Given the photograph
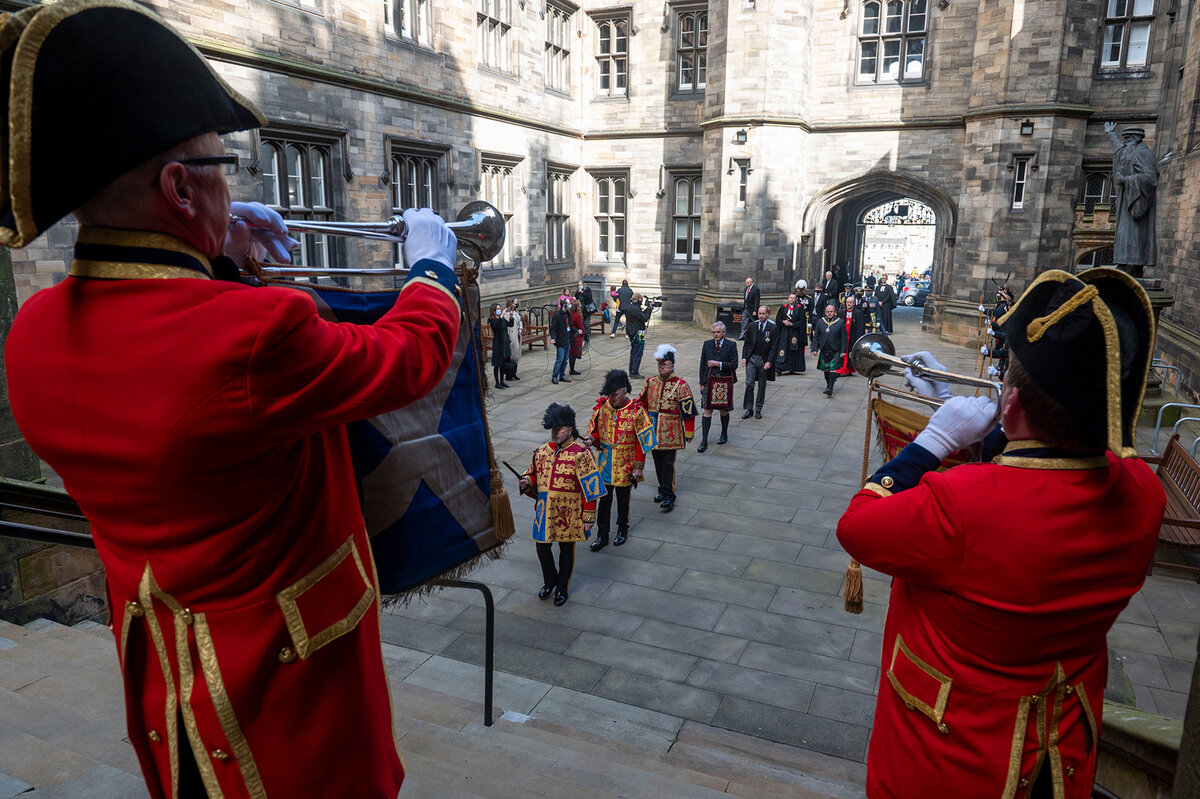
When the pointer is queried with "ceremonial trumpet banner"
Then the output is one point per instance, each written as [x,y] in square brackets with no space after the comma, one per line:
[432,497]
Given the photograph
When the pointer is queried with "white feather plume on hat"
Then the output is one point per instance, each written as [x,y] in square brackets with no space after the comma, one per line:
[665,352]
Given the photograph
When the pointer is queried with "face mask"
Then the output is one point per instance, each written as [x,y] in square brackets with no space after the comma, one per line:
[497,312]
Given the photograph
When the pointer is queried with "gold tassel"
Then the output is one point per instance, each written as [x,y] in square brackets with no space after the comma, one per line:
[502,518]
[853,592]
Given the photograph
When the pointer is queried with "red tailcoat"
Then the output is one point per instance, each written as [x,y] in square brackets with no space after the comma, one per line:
[197,424]
[1008,578]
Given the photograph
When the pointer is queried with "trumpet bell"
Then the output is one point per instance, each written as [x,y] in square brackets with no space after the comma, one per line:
[480,230]
[874,355]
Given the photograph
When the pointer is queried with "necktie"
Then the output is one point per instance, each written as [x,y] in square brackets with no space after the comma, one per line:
[762,329]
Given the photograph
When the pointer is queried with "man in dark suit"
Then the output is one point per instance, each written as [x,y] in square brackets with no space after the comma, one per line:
[717,357]
[887,303]
[757,352]
[749,306]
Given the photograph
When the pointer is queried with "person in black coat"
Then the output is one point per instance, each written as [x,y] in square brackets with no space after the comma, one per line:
[758,350]
[623,297]
[792,320]
[749,306]
[501,348]
[829,344]
[717,357]
[587,307]
[886,295]
[560,336]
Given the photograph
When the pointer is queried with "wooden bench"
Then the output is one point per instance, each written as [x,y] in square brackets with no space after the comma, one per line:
[1180,477]
[532,335]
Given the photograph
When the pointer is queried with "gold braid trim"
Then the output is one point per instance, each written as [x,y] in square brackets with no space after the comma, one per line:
[1039,326]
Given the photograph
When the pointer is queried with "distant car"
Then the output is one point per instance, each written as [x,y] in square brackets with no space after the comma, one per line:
[915,292]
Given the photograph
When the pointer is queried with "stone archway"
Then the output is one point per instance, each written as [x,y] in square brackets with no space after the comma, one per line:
[830,221]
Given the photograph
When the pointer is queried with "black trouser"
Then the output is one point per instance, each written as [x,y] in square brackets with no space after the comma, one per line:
[664,470]
[756,374]
[498,374]
[560,579]
[587,326]
[605,511]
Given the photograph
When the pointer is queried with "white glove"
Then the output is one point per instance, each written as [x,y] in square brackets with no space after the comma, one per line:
[260,232]
[426,236]
[992,371]
[984,349]
[960,422]
[930,388]
[982,309]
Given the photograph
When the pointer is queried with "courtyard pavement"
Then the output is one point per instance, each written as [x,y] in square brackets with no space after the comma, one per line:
[726,611]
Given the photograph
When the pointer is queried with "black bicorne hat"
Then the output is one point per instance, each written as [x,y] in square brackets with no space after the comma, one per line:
[1085,340]
[558,416]
[115,71]
[615,380]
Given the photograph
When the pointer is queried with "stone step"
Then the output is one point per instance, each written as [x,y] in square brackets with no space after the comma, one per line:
[63,732]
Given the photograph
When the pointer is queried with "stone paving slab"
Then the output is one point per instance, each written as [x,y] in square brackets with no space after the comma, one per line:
[804,730]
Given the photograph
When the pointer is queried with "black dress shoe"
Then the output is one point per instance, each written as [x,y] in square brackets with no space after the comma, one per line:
[599,544]
[659,497]
[563,379]
[546,591]
[758,414]
[703,446]
[635,374]
[668,505]
[573,372]
[560,600]
[620,538]
[502,385]
[514,377]
[723,439]
[747,414]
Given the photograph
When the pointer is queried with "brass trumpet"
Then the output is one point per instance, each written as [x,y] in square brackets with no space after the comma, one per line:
[479,229]
[874,355]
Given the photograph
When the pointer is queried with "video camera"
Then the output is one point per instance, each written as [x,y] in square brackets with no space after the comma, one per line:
[653,302]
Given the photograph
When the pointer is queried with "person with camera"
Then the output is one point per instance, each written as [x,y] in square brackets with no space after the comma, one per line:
[636,318]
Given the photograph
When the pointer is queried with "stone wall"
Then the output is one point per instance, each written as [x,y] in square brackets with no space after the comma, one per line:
[783,71]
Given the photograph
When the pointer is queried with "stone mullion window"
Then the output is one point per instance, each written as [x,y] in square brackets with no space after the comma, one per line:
[692,51]
[1020,169]
[1097,188]
[685,197]
[297,177]
[414,182]
[892,41]
[408,19]
[558,46]
[497,186]
[609,204]
[494,20]
[612,57]
[1127,25]
[558,215]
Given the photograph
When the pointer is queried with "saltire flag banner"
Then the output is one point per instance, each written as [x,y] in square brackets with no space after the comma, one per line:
[433,500]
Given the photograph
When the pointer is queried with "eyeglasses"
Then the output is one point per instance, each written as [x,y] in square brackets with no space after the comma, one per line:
[230,160]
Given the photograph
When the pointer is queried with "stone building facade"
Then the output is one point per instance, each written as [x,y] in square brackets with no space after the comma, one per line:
[686,145]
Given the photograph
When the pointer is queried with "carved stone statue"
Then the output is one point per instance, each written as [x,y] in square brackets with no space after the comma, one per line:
[1135,176]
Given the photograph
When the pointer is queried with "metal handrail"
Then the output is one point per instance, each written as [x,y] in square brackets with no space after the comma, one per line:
[1158,421]
[1194,443]
[1159,363]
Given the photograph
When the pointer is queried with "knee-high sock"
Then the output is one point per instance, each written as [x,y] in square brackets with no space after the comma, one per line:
[705,424]
[724,424]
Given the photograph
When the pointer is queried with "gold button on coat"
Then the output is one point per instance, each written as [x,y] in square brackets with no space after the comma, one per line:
[186,617]
[287,655]
[154,736]
[134,609]
[887,482]
[221,754]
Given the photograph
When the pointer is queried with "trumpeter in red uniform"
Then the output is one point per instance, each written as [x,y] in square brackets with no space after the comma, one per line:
[198,421]
[994,656]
